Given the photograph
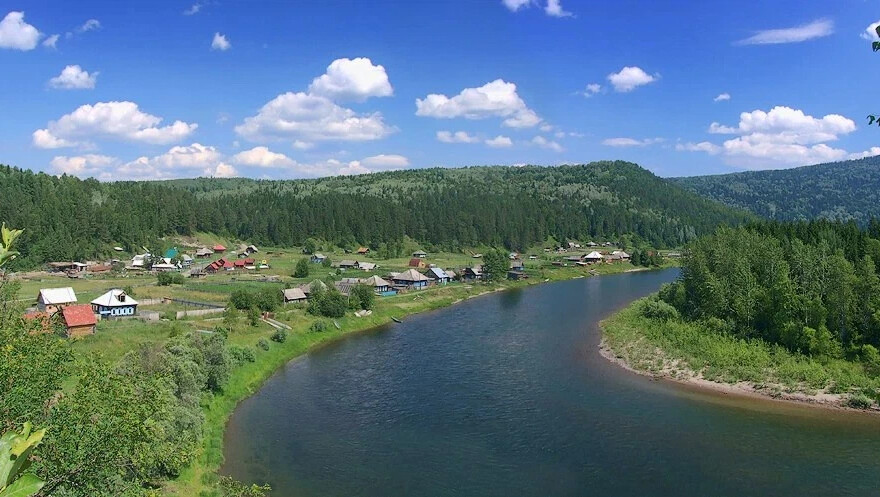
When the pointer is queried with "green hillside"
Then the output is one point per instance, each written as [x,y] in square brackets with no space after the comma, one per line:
[514,207]
[838,190]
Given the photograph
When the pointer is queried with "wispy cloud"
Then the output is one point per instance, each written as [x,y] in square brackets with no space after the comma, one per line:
[816,29]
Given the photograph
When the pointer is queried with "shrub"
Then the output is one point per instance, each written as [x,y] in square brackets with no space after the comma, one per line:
[302,268]
[165,279]
[241,299]
[241,355]
[329,303]
[327,262]
[318,326]
[871,359]
[362,297]
[268,299]
[658,309]
[279,336]
[263,344]
[253,316]
[859,401]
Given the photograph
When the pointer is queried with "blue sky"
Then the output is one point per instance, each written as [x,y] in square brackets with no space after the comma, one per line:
[278,89]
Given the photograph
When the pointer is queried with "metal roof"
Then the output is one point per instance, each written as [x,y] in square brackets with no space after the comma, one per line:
[114,298]
[55,296]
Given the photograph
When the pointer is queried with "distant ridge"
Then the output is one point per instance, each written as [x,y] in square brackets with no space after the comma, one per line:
[836,190]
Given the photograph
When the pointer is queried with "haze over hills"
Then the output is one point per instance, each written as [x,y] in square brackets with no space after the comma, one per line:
[837,190]
[515,207]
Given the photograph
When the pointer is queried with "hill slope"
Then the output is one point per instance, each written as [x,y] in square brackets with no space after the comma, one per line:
[69,218]
[837,190]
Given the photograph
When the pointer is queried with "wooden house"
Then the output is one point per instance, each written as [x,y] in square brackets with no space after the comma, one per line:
[593,257]
[472,273]
[438,276]
[219,248]
[411,279]
[52,300]
[294,295]
[417,263]
[420,254]
[367,266]
[114,303]
[379,285]
[204,252]
[348,264]
[363,251]
[79,320]
[317,258]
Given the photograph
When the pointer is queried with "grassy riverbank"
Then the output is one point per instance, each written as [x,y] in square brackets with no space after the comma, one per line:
[247,378]
[694,353]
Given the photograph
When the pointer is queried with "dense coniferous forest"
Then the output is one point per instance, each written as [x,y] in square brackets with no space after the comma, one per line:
[514,207]
[838,190]
[811,287]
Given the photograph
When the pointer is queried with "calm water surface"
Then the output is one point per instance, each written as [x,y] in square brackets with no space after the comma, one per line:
[506,395]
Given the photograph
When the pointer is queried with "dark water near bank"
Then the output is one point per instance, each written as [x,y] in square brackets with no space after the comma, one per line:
[506,395]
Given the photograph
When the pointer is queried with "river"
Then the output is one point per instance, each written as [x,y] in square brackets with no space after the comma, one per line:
[507,395]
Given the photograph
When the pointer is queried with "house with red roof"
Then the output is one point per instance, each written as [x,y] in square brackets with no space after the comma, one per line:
[219,248]
[79,319]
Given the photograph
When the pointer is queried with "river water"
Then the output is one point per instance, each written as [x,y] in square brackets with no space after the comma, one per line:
[506,395]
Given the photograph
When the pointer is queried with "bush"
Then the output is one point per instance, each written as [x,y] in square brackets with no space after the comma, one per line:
[658,309]
[859,401]
[327,262]
[329,303]
[263,344]
[871,359]
[279,336]
[241,299]
[268,299]
[362,297]
[318,327]
[165,279]
[253,316]
[241,355]
[302,268]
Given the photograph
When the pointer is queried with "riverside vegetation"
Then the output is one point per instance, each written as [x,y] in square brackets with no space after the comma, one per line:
[788,309]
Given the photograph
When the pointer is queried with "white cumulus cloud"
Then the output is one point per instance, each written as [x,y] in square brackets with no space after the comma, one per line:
[554,9]
[111,120]
[816,29]
[51,41]
[309,118]
[515,5]
[629,78]
[499,142]
[780,137]
[74,78]
[16,34]
[182,161]
[84,166]
[457,137]
[548,144]
[722,97]
[220,43]
[262,157]
[494,99]
[352,79]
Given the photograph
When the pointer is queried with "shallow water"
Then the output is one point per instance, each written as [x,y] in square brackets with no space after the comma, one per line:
[506,395]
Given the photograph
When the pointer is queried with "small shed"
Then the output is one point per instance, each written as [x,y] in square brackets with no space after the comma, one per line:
[79,320]
[417,263]
[420,254]
[204,252]
[219,248]
[347,264]
[363,250]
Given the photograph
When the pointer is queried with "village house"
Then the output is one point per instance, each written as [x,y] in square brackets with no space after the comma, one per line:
[114,303]
[51,300]
[411,279]
[186,260]
[204,252]
[517,265]
[417,263]
[592,244]
[451,274]
[220,265]
[621,254]
[79,320]
[316,284]
[472,273]
[67,267]
[317,258]
[420,254]
[593,257]
[219,248]
[348,264]
[363,251]
[379,285]
[346,285]
[197,273]
[438,276]
[165,264]
[294,295]
[367,266]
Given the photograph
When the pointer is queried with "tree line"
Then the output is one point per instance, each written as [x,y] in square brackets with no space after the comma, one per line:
[811,287]
[452,209]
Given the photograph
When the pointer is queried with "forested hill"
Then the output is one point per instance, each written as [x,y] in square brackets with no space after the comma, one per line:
[515,207]
[838,190]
